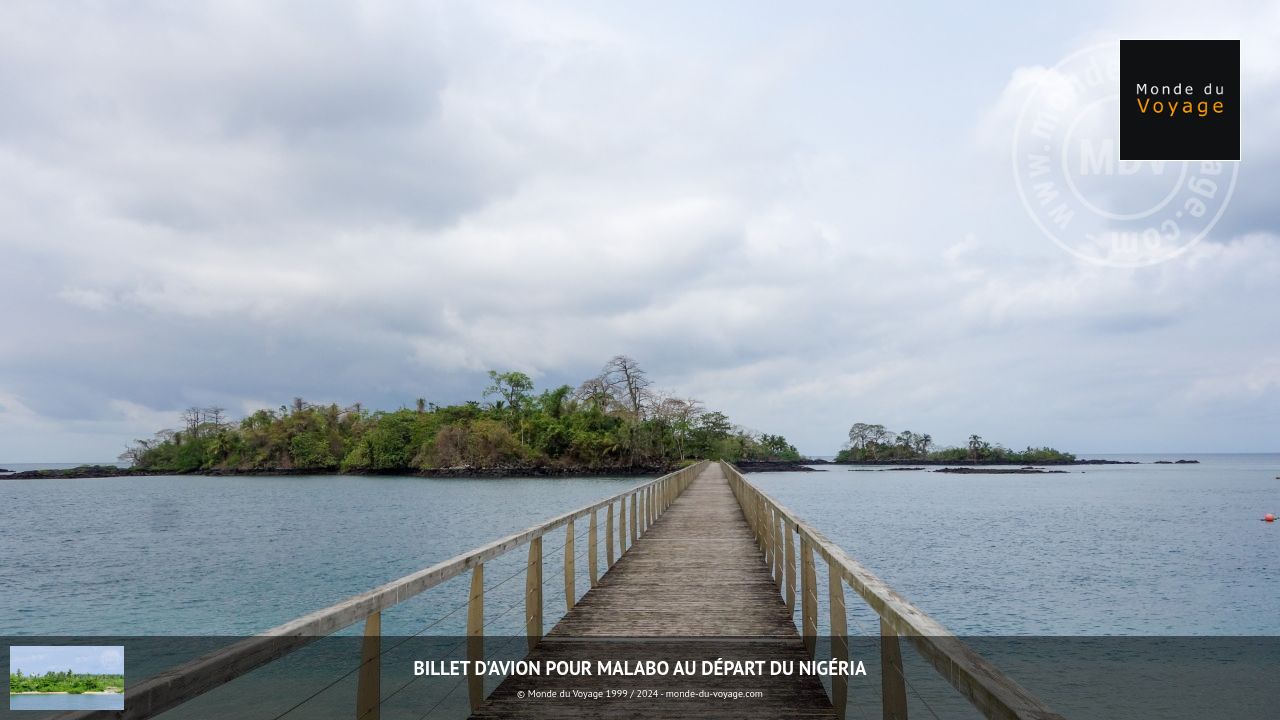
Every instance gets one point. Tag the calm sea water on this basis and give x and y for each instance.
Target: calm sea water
(1102, 550)
(66, 702)
(1152, 550)
(193, 555)
(1122, 549)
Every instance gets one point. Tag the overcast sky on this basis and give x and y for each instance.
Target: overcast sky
(86, 659)
(802, 214)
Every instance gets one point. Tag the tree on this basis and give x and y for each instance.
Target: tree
(922, 444)
(595, 393)
(613, 420)
(215, 416)
(191, 418)
(514, 388)
(859, 435)
(975, 446)
(629, 381)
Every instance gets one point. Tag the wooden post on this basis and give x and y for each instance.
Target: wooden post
(791, 571)
(642, 497)
(475, 636)
(591, 550)
(608, 537)
(759, 525)
(759, 519)
(767, 516)
(570, 594)
(839, 640)
(777, 549)
(808, 597)
(369, 682)
(533, 594)
(754, 515)
(893, 679)
(635, 533)
(622, 527)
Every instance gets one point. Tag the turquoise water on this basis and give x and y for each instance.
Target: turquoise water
(66, 702)
(1102, 550)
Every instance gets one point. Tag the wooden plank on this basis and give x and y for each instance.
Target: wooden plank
(475, 636)
(791, 569)
(893, 679)
(808, 597)
(635, 532)
(839, 642)
(570, 572)
(622, 527)
(695, 576)
(592, 550)
(608, 537)
(776, 535)
(533, 594)
(369, 679)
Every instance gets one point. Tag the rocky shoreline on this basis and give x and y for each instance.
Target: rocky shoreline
(995, 468)
(746, 466)
(108, 471)
(1000, 471)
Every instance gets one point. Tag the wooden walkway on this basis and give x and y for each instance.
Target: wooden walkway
(693, 587)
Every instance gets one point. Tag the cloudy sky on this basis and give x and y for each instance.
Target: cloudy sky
(804, 217)
(88, 659)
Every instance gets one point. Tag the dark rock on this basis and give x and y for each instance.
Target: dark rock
(750, 466)
(998, 471)
(1106, 462)
(1186, 462)
(83, 471)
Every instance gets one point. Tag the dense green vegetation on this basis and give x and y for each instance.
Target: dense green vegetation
(613, 420)
(64, 682)
(874, 443)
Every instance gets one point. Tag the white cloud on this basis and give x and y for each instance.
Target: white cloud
(380, 202)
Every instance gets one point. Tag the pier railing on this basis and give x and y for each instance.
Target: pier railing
(777, 530)
(637, 509)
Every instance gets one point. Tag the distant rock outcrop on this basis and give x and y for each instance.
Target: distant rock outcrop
(750, 466)
(998, 471)
(83, 471)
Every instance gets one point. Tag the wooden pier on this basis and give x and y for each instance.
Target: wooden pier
(697, 564)
(696, 575)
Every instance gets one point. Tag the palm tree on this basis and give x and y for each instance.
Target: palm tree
(975, 444)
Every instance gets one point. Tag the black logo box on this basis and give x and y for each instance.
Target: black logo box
(1186, 69)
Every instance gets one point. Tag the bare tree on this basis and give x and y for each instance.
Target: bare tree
(215, 416)
(594, 391)
(191, 418)
(629, 380)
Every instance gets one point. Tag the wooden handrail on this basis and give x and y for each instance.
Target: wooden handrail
(992, 692)
(177, 685)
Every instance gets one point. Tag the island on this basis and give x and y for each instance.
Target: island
(65, 683)
(617, 423)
